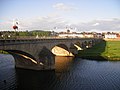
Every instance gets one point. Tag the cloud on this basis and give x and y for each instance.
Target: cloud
(51, 21)
(101, 25)
(63, 7)
(95, 24)
(6, 25)
(43, 23)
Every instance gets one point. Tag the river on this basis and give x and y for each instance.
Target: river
(70, 74)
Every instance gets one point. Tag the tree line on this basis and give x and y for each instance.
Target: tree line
(12, 34)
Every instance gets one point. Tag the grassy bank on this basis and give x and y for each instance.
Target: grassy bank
(3, 52)
(106, 50)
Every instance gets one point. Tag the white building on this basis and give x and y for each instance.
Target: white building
(71, 35)
(74, 35)
(111, 36)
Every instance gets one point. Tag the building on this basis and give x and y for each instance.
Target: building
(110, 36)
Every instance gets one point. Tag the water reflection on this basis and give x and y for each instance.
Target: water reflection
(20, 79)
(43, 80)
(70, 74)
(7, 72)
(62, 64)
(35, 80)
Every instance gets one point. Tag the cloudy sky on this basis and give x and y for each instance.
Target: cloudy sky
(80, 15)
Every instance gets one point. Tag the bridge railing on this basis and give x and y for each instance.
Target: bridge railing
(36, 40)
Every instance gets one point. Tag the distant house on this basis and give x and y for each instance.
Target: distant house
(73, 35)
(89, 35)
(110, 36)
(118, 35)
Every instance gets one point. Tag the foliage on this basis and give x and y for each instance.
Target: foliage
(3, 52)
(40, 33)
(12, 34)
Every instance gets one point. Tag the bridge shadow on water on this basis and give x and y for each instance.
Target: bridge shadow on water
(34, 80)
(95, 52)
(45, 79)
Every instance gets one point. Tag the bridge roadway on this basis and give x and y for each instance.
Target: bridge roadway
(39, 54)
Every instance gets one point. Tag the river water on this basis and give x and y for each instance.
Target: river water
(70, 74)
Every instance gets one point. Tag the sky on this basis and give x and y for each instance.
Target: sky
(56, 15)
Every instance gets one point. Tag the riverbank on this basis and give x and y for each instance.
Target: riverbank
(105, 50)
(3, 52)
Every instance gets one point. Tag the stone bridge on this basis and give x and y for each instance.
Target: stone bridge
(39, 54)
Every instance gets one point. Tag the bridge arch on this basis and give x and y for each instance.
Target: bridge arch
(78, 45)
(21, 53)
(61, 50)
(73, 49)
(23, 59)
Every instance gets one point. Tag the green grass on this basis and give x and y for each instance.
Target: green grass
(107, 50)
(112, 49)
(3, 52)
